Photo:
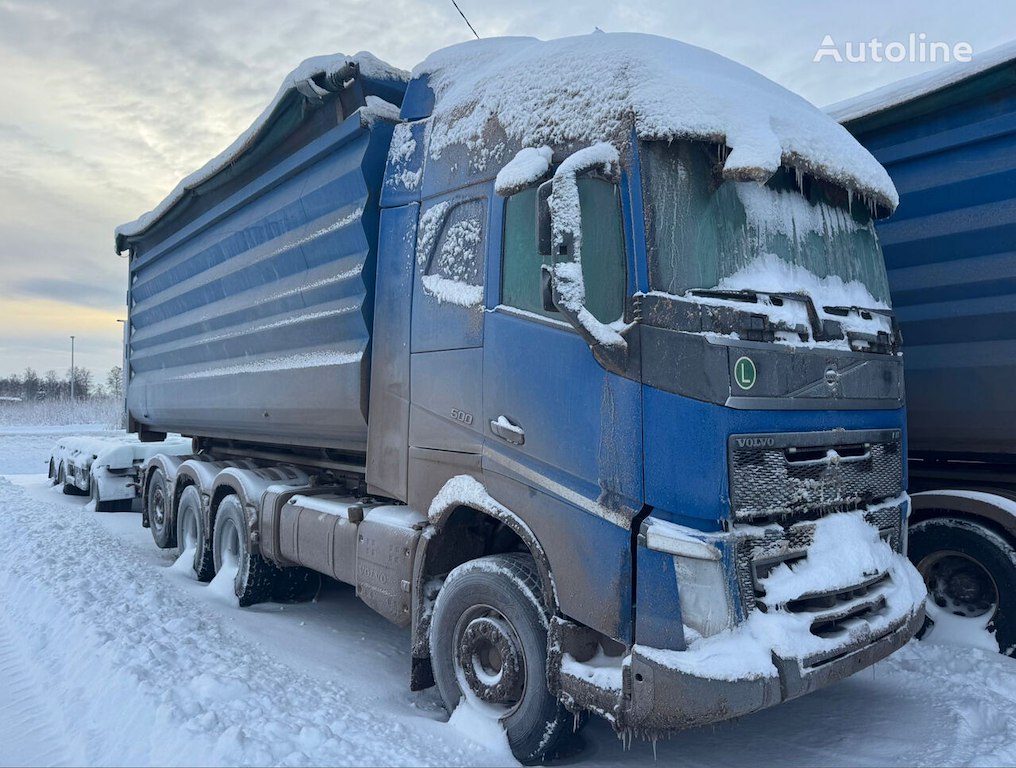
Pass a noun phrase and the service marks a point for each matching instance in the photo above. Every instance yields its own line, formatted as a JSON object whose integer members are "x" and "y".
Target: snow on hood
{"x": 300, "y": 79}
{"x": 600, "y": 86}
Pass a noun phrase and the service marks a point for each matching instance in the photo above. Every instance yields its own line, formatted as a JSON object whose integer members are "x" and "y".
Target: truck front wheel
{"x": 488, "y": 643}
{"x": 160, "y": 510}
{"x": 253, "y": 577}
{"x": 970, "y": 571}
{"x": 191, "y": 538}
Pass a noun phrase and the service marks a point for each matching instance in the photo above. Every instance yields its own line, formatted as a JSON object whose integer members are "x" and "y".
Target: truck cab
{"x": 674, "y": 380}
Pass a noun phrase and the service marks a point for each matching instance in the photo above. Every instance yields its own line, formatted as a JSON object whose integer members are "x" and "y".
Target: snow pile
{"x": 300, "y": 79}
{"x": 845, "y": 551}
{"x": 171, "y": 679}
{"x": 601, "y": 86}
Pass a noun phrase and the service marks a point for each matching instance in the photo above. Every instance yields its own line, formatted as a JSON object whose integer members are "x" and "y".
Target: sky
{"x": 106, "y": 104}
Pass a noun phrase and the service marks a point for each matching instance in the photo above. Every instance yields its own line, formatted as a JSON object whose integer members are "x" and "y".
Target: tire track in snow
{"x": 31, "y": 729}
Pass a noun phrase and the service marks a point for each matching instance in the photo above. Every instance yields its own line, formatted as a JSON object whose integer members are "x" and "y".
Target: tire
{"x": 255, "y": 577}
{"x": 69, "y": 489}
{"x": 296, "y": 585}
{"x": 969, "y": 570}
{"x": 93, "y": 490}
{"x": 190, "y": 534}
{"x": 159, "y": 505}
{"x": 488, "y": 643}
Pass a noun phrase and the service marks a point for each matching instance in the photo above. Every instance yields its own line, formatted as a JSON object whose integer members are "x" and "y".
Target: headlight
{"x": 706, "y": 604}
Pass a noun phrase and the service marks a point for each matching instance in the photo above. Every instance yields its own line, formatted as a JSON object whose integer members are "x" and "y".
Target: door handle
{"x": 507, "y": 430}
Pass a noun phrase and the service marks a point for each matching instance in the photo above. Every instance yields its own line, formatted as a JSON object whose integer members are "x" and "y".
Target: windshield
{"x": 705, "y": 232}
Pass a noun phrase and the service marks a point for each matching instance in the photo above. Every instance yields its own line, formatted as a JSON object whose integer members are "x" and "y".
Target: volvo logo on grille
{"x": 755, "y": 442}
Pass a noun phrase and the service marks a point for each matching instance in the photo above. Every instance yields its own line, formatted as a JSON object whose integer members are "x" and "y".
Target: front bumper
{"x": 664, "y": 699}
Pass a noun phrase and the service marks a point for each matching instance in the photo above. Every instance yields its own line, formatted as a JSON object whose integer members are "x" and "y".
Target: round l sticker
{"x": 744, "y": 373}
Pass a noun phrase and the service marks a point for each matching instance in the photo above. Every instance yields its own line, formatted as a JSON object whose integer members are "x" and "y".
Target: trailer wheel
{"x": 160, "y": 510}
{"x": 69, "y": 489}
{"x": 970, "y": 571}
{"x": 191, "y": 536}
{"x": 488, "y": 642}
{"x": 254, "y": 577}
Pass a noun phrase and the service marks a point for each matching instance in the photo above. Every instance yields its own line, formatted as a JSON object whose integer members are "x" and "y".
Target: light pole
{"x": 72, "y": 369}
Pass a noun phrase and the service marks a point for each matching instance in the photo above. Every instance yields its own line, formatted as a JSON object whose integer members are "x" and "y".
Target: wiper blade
{"x": 845, "y": 310}
{"x": 745, "y": 294}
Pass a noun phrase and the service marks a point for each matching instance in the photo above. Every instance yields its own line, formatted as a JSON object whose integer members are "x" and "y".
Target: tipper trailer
{"x": 575, "y": 357}
{"x": 949, "y": 141}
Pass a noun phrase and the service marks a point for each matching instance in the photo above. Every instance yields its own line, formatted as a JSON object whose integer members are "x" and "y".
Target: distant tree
{"x": 114, "y": 382}
{"x": 83, "y": 383}
{"x": 52, "y": 385}
{"x": 11, "y": 386}
{"x": 30, "y": 384}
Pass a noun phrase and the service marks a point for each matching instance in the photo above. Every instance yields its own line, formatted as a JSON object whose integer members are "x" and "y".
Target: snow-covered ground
{"x": 110, "y": 655}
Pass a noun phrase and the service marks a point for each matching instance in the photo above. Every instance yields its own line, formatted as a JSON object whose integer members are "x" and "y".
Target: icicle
{"x": 799, "y": 177}
{"x": 654, "y": 749}
{"x": 850, "y": 200}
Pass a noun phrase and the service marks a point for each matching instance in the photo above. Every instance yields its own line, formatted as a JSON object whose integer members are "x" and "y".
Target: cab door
{"x": 562, "y": 436}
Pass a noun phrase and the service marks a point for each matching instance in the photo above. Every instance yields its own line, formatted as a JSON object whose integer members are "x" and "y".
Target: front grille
{"x": 760, "y": 550}
{"x": 802, "y": 476}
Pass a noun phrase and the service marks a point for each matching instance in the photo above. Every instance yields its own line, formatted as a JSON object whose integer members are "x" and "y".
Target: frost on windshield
{"x": 450, "y": 252}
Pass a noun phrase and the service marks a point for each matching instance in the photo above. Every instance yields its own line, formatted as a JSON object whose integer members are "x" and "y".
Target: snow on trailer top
{"x": 912, "y": 88}
{"x": 600, "y": 86}
{"x": 118, "y": 452}
{"x": 305, "y": 79}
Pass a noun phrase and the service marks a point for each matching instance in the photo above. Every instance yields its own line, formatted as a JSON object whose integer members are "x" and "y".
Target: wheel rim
{"x": 489, "y": 661}
{"x": 158, "y": 508}
{"x": 959, "y": 584}
{"x": 229, "y": 545}
{"x": 188, "y": 529}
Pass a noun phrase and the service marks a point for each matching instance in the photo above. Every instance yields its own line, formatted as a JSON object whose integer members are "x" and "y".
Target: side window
{"x": 520, "y": 270}
{"x": 603, "y": 262}
{"x": 450, "y": 251}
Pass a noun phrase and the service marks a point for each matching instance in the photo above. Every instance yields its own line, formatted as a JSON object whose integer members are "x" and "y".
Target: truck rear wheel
{"x": 190, "y": 534}
{"x": 254, "y": 577}
{"x": 160, "y": 510}
{"x": 970, "y": 571}
{"x": 488, "y": 643}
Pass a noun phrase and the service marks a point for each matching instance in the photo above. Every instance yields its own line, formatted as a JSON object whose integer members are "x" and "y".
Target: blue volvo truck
{"x": 949, "y": 141}
{"x": 576, "y": 358}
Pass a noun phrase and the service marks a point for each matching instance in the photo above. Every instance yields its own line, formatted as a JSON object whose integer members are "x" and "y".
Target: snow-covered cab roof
{"x": 528, "y": 92}
{"x": 313, "y": 82}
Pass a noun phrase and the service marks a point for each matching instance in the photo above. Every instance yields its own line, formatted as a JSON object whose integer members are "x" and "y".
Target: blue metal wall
{"x": 253, "y": 321}
{"x": 951, "y": 253}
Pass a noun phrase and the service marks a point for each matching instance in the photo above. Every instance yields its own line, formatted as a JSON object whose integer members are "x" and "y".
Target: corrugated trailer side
{"x": 951, "y": 253}
{"x": 251, "y": 299}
